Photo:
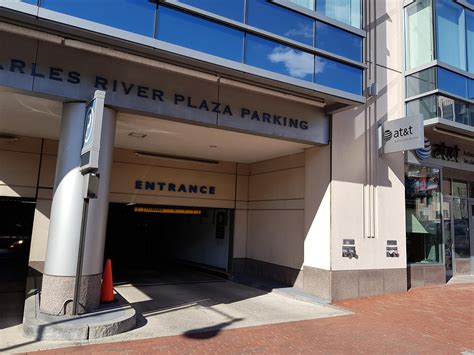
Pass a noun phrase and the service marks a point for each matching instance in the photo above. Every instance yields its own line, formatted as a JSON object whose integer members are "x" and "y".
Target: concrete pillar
{"x": 65, "y": 223}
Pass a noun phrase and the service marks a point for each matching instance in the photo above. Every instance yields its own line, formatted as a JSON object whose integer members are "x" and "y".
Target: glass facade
{"x": 174, "y": 27}
{"x": 269, "y": 44}
{"x": 329, "y": 38}
{"x": 451, "y": 82}
{"x": 347, "y": 11}
{"x": 423, "y": 214}
{"x": 278, "y": 20}
{"x": 129, "y": 15}
{"x": 233, "y": 9}
{"x": 443, "y": 107}
{"x": 421, "y": 82}
{"x": 427, "y": 106}
{"x": 275, "y": 57}
{"x": 338, "y": 76}
{"x": 419, "y": 34}
{"x": 451, "y": 33}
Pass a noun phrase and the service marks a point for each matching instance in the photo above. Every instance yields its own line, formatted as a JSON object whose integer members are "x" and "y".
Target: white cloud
{"x": 298, "y": 64}
{"x": 305, "y": 31}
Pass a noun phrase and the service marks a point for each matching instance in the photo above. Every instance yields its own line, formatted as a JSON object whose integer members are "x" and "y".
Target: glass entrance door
{"x": 448, "y": 236}
{"x": 457, "y": 235}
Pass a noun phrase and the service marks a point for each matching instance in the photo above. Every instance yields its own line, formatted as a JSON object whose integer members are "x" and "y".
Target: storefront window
{"x": 423, "y": 214}
{"x": 447, "y": 187}
{"x": 419, "y": 34}
{"x": 459, "y": 188}
{"x": 460, "y": 212}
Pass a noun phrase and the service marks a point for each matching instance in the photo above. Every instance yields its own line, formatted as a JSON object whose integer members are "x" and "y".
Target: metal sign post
{"x": 89, "y": 167}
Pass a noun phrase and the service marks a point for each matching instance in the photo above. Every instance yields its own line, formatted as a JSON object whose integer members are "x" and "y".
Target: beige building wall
{"x": 275, "y": 236}
{"x": 367, "y": 192}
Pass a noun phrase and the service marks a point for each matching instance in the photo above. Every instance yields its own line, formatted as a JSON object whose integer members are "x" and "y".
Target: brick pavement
{"x": 431, "y": 320}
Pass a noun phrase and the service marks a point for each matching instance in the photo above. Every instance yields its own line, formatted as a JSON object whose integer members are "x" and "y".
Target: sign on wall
{"x": 436, "y": 151}
{"x": 71, "y": 74}
{"x": 405, "y": 133}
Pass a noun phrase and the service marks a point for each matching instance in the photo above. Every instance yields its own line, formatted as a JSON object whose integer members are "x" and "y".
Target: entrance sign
{"x": 405, "y": 133}
{"x": 57, "y": 71}
{"x": 92, "y": 132}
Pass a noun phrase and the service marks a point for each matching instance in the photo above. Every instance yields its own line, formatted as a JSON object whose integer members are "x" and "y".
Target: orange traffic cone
{"x": 107, "y": 290}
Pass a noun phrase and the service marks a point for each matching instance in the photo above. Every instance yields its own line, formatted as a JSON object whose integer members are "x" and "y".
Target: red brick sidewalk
{"x": 434, "y": 320}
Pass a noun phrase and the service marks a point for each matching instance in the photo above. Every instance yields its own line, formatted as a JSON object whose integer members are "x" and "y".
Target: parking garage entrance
{"x": 156, "y": 240}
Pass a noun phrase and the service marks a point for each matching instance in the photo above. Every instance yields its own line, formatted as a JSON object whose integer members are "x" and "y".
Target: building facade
{"x": 239, "y": 136}
{"x": 440, "y": 177}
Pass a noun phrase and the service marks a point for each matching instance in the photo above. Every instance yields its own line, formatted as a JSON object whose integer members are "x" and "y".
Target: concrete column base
{"x": 58, "y": 292}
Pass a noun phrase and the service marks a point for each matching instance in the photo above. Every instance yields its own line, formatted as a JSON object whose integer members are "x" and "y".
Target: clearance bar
{"x": 166, "y": 210}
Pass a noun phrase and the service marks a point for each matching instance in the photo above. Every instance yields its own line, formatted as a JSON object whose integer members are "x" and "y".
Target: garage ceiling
{"x": 38, "y": 117}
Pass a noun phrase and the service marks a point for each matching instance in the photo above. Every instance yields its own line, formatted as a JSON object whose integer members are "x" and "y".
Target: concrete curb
{"x": 106, "y": 321}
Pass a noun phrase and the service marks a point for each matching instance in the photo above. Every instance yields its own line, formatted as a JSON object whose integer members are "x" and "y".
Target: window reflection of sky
{"x": 276, "y": 19}
{"x": 335, "y": 40}
{"x": 338, "y": 76}
{"x": 130, "y": 15}
{"x": 233, "y": 9}
{"x": 208, "y": 37}
{"x": 277, "y": 58}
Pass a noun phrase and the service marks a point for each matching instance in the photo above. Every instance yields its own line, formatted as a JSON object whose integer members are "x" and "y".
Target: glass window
{"x": 451, "y": 33}
{"x": 419, "y": 36}
{"x": 426, "y": 106}
{"x": 460, "y": 212}
{"x": 423, "y": 214}
{"x": 347, "y": 11}
{"x": 130, "y": 15}
{"x": 338, "y": 76}
{"x": 233, "y": 9}
{"x": 32, "y": 2}
{"x": 278, "y": 58}
{"x": 309, "y": 4}
{"x": 193, "y": 32}
{"x": 447, "y": 187}
{"x": 471, "y": 116}
{"x": 470, "y": 89}
{"x": 451, "y": 82}
{"x": 460, "y": 188}
{"x": 421, "y": 82}
{"x": 446, "y": 108}
{"x": 281, "y": 21}
{"x": 335, "y": 40}
{"x": 461, "y": 112}
{"x": 471, "y": 192}
{"x": 470, "y": 40}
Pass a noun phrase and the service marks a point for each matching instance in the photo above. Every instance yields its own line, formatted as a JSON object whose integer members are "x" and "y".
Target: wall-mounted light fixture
{"x": 176, "y": 158}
